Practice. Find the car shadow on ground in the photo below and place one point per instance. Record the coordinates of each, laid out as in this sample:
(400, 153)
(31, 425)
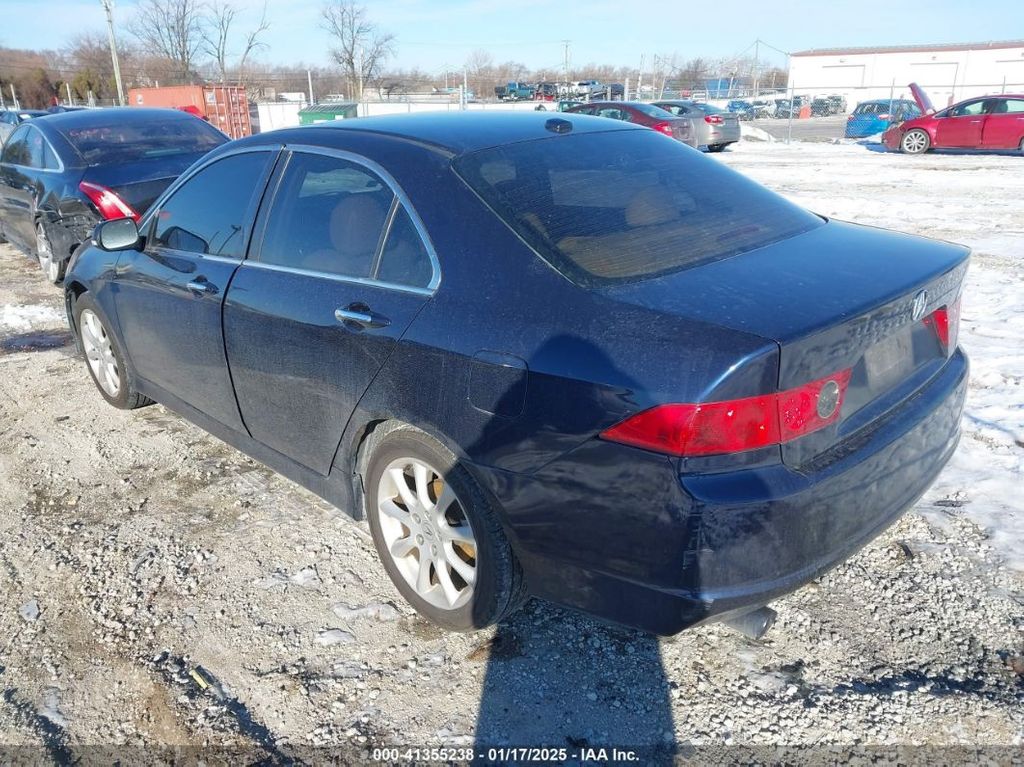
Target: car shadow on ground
(878, 146)
(555, 678)
(560, 680)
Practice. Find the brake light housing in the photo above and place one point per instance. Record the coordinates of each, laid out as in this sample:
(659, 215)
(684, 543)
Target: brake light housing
(107, 201)
(738, 425)
(945, 321)
(663, 127)
(713, 119)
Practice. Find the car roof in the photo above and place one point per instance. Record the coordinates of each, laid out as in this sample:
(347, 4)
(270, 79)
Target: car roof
(86, 118)
(453, 132)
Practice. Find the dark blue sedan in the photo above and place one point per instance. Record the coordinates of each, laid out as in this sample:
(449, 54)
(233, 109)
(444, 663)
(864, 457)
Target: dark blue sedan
(552, 356)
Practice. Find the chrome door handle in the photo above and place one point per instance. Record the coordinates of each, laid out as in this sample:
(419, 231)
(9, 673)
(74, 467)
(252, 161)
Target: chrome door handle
(201, 286)
(362, 317)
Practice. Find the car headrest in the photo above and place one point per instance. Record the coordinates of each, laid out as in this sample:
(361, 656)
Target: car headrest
(649, 208)
(356, 225)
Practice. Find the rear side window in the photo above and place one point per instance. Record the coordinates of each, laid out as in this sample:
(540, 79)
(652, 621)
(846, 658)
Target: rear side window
(622, 206)
(208, 214)
(1014, 106)
(129, 140)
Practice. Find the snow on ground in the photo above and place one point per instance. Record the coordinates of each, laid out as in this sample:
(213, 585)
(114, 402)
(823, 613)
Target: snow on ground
(29, 316)
(973, 199)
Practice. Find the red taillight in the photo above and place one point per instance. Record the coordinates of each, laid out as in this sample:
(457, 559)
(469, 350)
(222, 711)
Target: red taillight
(946, 321)
(736, 425)
(107, 201)
(851, 118)
(713, 119)
(665, 128)
(883, 117)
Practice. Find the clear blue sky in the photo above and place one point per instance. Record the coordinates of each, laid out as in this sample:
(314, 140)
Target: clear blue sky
(434, 33)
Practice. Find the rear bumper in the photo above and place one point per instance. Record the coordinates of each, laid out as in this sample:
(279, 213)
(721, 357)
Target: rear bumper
(615, 532)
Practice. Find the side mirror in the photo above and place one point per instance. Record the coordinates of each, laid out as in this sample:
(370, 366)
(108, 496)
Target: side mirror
(119, 234)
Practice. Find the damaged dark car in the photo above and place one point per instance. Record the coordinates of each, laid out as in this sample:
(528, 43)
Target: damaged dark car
(62, 174)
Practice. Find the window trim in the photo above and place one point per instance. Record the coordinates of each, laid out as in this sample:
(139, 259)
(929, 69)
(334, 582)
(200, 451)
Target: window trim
(400, 198)
(29, 129)
(149, 223)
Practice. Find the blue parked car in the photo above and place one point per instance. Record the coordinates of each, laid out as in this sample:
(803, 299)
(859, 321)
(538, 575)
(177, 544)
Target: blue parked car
(873, 117)
(550, 356)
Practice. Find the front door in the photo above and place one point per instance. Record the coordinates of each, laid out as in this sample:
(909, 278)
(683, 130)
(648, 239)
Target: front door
(168, 296)
(962, 127)
(1004, 125)
(309, 320)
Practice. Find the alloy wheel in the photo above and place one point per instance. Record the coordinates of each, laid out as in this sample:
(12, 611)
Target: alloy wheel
(44, 251)
(427, 533)
(915, 142)
(99, 353)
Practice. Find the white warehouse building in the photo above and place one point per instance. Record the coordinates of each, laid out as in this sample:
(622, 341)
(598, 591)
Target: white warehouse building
(947, 73)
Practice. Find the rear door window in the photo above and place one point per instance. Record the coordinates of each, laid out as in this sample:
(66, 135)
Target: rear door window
(1014, 106)
(615, 207)
(329, 215)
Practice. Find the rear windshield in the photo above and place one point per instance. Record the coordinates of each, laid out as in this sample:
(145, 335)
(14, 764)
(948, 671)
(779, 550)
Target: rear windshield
(621, 206)
(710, 110)
(127, 141)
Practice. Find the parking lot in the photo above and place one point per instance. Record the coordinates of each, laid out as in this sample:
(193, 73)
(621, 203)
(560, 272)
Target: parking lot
(810, 129)
(161, 588)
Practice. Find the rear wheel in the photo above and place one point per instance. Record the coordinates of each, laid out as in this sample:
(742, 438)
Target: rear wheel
(52, 267)
(437, 535)
(107, 366)
(915, 141)
(716, 147)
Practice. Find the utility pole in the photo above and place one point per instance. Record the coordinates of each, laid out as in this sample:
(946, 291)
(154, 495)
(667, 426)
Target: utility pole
(360, 65)
(309, 81)
(565, 60)
(108, 6)
(640, 77)
(757, 72)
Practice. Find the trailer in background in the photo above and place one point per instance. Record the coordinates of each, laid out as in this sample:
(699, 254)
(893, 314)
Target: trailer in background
(225, 107)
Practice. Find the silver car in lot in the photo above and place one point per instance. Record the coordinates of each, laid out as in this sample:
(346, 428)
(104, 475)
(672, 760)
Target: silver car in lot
(713, 127)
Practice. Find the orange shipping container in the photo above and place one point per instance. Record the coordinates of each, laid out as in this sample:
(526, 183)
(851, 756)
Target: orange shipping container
(224, 106)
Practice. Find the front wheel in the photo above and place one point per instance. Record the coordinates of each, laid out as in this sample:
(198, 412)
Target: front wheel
(915, 141)
(437, 534)
(106, 363)
(716, 147)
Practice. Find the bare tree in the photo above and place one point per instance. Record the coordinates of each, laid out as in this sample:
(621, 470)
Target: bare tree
(361, 48)
(171, 29)
(216, 34)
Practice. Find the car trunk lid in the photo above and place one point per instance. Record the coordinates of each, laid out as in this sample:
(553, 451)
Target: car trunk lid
(140, 182)
(843, 302)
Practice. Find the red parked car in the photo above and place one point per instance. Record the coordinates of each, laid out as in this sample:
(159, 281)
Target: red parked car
(986, 122)
(640, 113)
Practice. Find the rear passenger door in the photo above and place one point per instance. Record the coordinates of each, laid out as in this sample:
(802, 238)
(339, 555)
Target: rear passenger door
(1004, 124)
(342, 268)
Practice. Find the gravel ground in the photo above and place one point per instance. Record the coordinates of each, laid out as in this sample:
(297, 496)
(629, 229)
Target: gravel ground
(159, 588)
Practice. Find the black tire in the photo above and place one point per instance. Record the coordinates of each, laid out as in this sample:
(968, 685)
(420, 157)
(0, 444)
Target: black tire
(127, 396)
(716, 147)
(915, 141)
(498, 589)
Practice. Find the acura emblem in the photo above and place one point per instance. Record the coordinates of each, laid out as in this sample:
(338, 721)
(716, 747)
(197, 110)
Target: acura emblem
(828, 400)
(919, 305)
